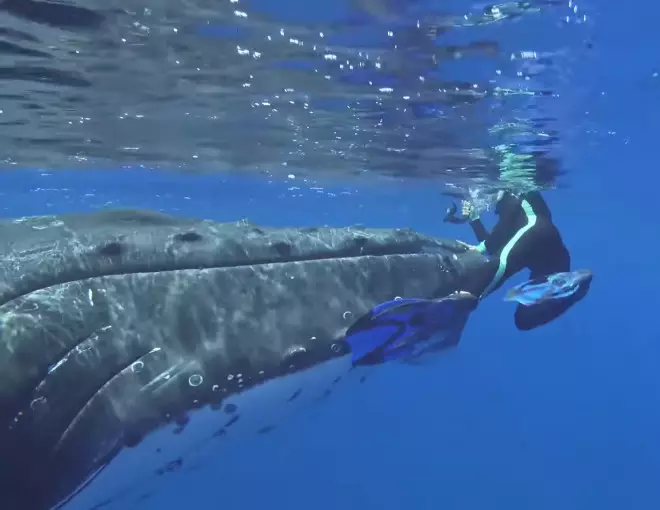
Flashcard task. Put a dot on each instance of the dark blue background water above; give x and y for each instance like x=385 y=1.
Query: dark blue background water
x=563 y=417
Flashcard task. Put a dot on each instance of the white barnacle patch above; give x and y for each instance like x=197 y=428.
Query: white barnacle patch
x=294 y=349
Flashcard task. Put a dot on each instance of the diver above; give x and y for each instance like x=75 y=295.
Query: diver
x=411 y=329
x=523 y=238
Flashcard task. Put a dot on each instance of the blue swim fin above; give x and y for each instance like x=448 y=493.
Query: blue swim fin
x=408 y=328
x=556 y=286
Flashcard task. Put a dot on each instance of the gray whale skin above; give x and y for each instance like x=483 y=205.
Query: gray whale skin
x=135 y=331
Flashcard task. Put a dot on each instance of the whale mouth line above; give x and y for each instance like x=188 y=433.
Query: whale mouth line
x=72 y=273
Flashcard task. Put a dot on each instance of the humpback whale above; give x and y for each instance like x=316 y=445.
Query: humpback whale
x=132 y=342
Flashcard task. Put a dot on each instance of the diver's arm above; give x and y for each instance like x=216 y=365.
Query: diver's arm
x=508 y=210
x=479 y=230
x=469 y=215
x=489 y=243
x=481 y=233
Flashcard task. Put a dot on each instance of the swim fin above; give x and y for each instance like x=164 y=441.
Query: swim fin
x=405 y=329
x=543 y=299
x=556 y=286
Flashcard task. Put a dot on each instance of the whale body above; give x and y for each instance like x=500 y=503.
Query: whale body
x=133 y=343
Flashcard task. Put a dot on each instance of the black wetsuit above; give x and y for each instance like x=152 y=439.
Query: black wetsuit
x=523 y=238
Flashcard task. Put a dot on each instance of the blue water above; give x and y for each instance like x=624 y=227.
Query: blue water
x=563 y=417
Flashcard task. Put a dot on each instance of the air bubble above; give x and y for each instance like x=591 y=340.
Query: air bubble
x=195 y=380
x=137 y=366
x=347 y=314
x=37 y=402
x=215 y=387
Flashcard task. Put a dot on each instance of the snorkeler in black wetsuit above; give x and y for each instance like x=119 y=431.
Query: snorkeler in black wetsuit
x=524 y=237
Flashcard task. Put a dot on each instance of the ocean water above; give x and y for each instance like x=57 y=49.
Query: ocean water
x=565 y=416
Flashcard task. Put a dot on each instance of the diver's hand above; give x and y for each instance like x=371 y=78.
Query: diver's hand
x=469 y=211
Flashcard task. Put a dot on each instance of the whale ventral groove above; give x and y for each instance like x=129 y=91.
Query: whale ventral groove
x=116 y=323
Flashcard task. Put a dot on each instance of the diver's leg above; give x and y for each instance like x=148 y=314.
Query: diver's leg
x=549 y=254
x=489 y=277
x=550 y=257
x=537 y=246
x=511 y=259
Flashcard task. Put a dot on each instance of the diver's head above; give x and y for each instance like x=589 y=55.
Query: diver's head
x=504 y=201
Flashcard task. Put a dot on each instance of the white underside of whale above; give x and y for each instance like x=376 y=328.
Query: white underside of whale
x=163 y=458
